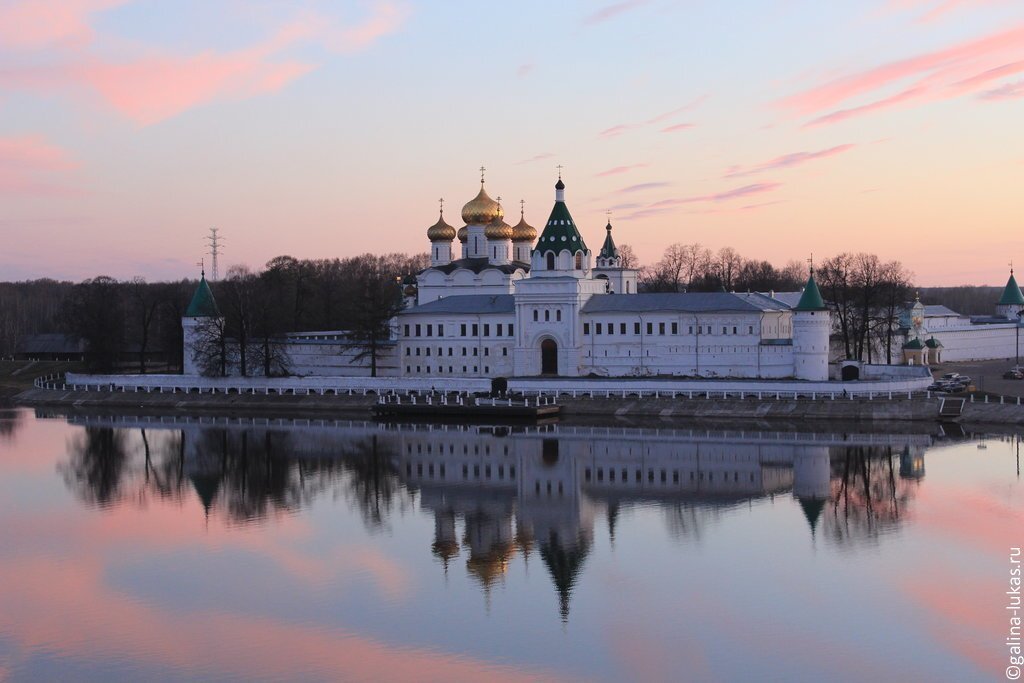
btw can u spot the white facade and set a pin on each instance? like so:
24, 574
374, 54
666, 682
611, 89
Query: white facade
552, 311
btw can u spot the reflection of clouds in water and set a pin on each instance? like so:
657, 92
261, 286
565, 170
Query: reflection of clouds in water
491, 497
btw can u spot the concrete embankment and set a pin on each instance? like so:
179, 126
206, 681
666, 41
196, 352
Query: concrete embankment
751, 408
220, 403
820, 410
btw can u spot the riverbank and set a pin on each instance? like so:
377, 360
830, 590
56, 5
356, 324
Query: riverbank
749, 408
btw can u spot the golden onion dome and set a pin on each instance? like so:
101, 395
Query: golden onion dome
481, 210
440, 231
463, 233
523, 231
498, 230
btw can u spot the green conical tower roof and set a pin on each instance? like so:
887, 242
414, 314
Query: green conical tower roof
203, 305
1011, 294
560, 231
811, 299
812, 508
608, 249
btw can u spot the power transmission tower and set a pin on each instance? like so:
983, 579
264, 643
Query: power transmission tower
214, 241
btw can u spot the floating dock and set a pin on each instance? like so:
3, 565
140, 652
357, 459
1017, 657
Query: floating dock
459, 408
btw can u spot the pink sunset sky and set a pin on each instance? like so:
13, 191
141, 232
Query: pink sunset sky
322, 129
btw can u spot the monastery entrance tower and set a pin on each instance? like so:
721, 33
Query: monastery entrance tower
811, 326
549, 302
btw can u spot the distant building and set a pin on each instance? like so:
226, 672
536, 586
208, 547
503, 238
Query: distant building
934, 333
56, 346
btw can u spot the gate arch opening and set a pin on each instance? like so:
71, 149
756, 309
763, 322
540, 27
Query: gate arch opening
548, 357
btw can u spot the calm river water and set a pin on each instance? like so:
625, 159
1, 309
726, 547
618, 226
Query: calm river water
136, 548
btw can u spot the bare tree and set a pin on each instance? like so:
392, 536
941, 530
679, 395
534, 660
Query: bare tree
628, 256
144, 302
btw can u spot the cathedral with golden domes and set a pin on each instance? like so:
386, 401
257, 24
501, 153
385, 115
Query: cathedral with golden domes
515, 303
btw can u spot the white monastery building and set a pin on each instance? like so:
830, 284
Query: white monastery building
500, 301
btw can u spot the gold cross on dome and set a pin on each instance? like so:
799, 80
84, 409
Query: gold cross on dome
441, 203
522, 208
559, 167
810, 262
482, 169
202, 266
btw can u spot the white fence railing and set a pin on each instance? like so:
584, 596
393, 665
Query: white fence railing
577, 388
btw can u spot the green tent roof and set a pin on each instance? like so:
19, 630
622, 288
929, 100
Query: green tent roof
812, 508
203, 305
1011, 294
560, 231
811, 299
608, 249
913, 345
933, 343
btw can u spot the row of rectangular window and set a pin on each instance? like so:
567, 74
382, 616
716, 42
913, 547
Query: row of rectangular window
464, 330
425, 351
547, 315
451, 369
465, 471
599, 328
588, 475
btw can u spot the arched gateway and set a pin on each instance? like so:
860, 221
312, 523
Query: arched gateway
548, 357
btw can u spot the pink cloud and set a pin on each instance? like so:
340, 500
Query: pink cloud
696, 102
993, 74
152, 86
617, 170
536, 157
643, 186
843, 114
156, 88
728, 195
615, 130
787, 160
384, 19
32, 24
935, 9
606, 13
939, 74
623, 127
28, 164
1010, 91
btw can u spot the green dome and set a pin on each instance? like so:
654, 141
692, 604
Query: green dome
1011, 294
914, 345
203, 305
811, 299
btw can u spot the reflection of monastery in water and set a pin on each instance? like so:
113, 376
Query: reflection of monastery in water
539, 490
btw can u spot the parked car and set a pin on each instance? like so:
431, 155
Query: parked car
1013, 374
951, 376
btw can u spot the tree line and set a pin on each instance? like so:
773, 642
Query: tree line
866, 295
134, 324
